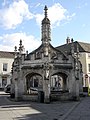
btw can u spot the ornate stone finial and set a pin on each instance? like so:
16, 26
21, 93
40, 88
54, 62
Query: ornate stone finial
77, 51
45, 11
72, 40
20, 42
15, 51
20, 47
72, 49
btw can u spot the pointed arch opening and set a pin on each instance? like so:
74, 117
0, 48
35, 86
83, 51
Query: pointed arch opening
59, 82
34, 83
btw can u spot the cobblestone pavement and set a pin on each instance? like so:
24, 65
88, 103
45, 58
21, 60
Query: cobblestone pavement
69, 110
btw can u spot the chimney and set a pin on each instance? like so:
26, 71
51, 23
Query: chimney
68, 40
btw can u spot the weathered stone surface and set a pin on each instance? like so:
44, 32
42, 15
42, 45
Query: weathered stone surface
46, 69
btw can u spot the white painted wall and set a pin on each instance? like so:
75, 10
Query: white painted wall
9, 61
85, 60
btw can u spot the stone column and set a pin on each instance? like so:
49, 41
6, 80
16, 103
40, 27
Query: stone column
46, 84
77, 73
77, 90
16, 89
77, 83
19, 89
72, 90
46, 91
81, 83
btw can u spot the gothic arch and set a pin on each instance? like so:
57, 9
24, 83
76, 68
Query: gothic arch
26, 72
63, 71
59, 81
34, 82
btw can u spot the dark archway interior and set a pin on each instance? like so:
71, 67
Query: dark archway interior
59, 82
33, 83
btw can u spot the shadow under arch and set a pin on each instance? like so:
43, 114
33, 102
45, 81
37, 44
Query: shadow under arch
34, 83
59, 81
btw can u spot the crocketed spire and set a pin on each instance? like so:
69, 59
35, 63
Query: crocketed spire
46, 32
45, 20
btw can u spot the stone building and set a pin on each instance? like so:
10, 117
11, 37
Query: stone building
46, 73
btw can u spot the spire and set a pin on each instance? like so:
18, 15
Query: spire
45, 20
46, 32
45, 11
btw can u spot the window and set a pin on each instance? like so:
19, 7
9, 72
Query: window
89, 67
5, 66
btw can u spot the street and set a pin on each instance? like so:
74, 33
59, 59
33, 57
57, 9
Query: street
67, 110
81, 112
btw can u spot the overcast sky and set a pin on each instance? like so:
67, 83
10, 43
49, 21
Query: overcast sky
21, 19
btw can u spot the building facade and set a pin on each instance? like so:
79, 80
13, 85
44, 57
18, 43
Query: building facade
6, 60
84, 57
46, 70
